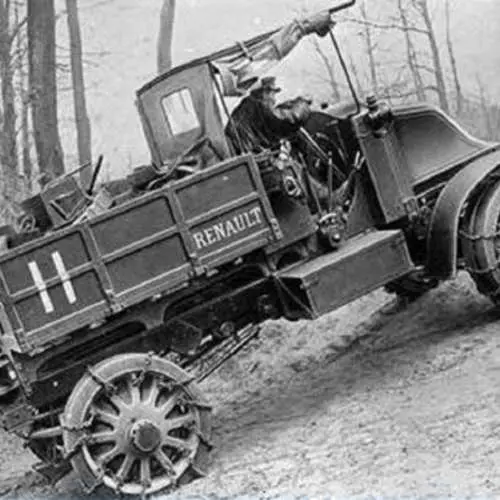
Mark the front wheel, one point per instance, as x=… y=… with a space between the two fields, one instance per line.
x=136 y=424
x=480 y=242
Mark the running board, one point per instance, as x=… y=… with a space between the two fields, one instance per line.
x=363 y=264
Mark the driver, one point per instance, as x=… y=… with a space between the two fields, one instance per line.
x=260 y=124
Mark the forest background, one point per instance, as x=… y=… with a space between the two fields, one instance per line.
x=97 y=53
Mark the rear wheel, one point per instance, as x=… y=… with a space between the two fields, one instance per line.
x=136 y=424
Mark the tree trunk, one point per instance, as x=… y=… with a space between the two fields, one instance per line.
x=81 y=116
x=370 y=48
x=26 y=145
x=164 y=49
x=27 y=166
x=453 y=61
x=43 y=88
x=8 y=132
x=411 y=54
x=354 y=72
x=436 y=59
x=485 y=108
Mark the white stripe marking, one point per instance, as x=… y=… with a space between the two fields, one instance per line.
x=66 y=280
x=42 y=288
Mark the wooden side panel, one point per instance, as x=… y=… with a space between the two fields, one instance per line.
x=52 y=286
x=49 y=284
x=227 y=212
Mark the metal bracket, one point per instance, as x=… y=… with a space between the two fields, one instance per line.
x=245 y=50
x=115 y=306
x=199 y=270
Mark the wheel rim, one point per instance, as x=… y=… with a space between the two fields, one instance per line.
x=142 y=436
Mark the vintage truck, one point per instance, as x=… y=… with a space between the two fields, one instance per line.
x=116 y=301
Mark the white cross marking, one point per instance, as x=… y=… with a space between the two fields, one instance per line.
x=42 y=287
x=66 y=280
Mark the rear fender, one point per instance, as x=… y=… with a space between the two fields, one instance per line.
x=443 y=232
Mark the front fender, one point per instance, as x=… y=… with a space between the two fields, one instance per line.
x=443 y=232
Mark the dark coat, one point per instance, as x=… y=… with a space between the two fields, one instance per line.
x=260 y=127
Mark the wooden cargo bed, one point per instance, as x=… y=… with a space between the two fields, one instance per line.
x=151 y=245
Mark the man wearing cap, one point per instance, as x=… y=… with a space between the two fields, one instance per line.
x=260 y=124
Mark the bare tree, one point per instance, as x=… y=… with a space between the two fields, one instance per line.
x=81 y=116
x=414 y=20
x=165 y=35
x=332 y=80
x=485 y=108
x=43 y=88
x=411 y=54
x=453 y=60
x=370 y=47
x=8 y=132
x=422 y=7
x=355 y=74
x=27 y=166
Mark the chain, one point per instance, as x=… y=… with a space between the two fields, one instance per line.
x=120 y=481
x=147 y=363
x=173 y=385
x=84 y=426
x=204 y=440
x=196 y=469
x=198 y=404
x=486 y=270
x=477 y=237
x=98 y=481
x=82 y=441
x=109 y=388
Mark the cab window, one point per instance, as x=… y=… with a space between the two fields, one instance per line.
x=179 y=111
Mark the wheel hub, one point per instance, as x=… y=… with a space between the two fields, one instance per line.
x=145 y=436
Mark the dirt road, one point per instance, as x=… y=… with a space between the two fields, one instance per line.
x=353 y=404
